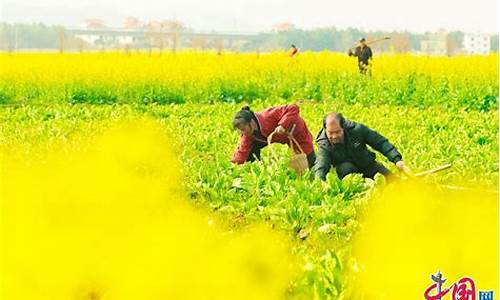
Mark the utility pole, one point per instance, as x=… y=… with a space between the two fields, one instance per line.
x=80 y=45
x=174 y=40
x=16 y=45
x=61 y=39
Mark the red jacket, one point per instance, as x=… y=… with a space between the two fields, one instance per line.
x=268 y=120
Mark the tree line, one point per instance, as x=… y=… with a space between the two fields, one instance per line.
x=41 y=36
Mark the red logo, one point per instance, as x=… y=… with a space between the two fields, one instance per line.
x=463 y=289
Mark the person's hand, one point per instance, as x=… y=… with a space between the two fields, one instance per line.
x=404 y=168
x=280 y=130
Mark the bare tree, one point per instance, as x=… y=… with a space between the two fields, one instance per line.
x=152 y=34
x=452 y=47
x=199 y=42
x=401 y=42
x=175 y=29
x=61 y=38
x=219 y=44
x=161 y=34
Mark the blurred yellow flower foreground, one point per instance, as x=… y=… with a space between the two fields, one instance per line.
x=111 y=222
x=413 y=230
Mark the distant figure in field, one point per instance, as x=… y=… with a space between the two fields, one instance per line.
x=294 y=51
x=364 y=55
x=342 y=144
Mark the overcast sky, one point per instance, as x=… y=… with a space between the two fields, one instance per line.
x=260 y=15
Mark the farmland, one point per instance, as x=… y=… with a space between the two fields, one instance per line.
x=436 y=110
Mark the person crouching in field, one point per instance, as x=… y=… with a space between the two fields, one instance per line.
x=342 y=144
x=255 y=127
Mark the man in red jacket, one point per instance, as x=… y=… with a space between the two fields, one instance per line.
x=256 y=127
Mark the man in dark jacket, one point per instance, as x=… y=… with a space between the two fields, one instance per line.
x=294 y=51
x=342 y=144
x=364 y=55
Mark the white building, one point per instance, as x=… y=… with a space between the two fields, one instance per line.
x=477 y=44
x=89 y=38
x=125 y=40
x=434 y=43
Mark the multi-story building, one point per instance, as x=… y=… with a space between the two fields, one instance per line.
x=434 y=43
x=476 y=44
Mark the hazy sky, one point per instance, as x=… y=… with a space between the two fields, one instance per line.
x=260 y=15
